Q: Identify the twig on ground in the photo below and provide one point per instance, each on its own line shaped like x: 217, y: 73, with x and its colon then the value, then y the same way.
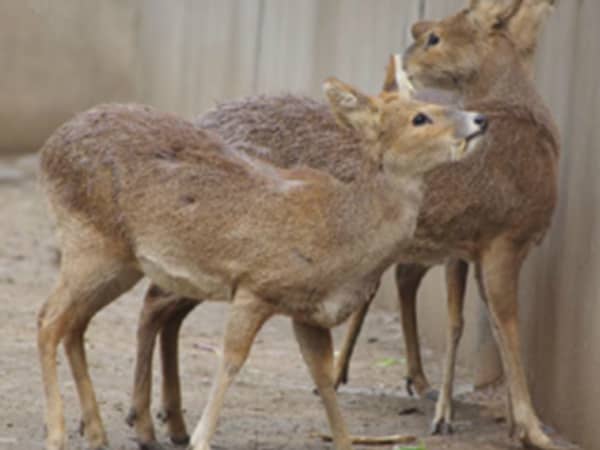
x: 374, y: 440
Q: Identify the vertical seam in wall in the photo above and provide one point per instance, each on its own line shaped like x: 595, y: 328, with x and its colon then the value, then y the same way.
x: 422, y: 9
x: 568, y: 131
x: 139, y: 60
x: 572, y: 60
x: 258, y: 44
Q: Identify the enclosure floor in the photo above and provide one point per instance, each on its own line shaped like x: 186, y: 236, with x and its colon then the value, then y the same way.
x: 271, y: 406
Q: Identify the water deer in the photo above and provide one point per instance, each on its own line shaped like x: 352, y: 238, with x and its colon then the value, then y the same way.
x: 303, y: 126
x: 136, y: 192
x: 515, y: 186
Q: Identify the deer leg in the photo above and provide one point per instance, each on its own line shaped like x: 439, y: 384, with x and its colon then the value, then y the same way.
x: 342, y: 365
x: 456, y: 280
x: 509, y: 408
x: 52, y: 322
x: 317, y: 350
x: 171, y: 410
x: 88, y: 281
x: 247, y: 315
x: 158, y: 308
x: 408, y: 279
x: 500, y: 267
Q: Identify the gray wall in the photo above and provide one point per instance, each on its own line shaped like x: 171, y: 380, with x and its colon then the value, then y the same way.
x: 61, y: 56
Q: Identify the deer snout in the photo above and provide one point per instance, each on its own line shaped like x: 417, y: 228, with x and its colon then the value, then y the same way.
x: 481, y: 121
x: 469, y: 126
x: 472, y: 125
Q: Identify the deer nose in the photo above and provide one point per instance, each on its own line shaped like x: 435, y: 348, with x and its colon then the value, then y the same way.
x: 481, y: 121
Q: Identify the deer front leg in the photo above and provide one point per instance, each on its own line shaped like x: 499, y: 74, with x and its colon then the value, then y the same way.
x: 408, y: 279
x: 342, y: 365
x: 456, y: 280
x: 316, y: 346
x: 500, y: 266
x: 247, y: 315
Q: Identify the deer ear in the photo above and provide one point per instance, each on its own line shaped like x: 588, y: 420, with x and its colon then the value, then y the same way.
x: 353, y: 109
x: 524, y: 27
x: 494, y: 14
x: 396, y: 79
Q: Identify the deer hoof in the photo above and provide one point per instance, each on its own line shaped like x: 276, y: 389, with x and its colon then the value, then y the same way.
x: 150, y: 446
x: 441, y: 427
x: 180, y: 440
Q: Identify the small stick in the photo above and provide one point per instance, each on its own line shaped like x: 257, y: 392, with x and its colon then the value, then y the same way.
x: 375, y: 440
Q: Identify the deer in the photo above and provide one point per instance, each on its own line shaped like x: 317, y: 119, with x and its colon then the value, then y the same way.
x: 136, y: 192
x: 303, y: 127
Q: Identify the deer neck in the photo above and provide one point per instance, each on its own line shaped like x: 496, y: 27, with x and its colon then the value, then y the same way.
x: 386, y: 208
x: 502, y: 79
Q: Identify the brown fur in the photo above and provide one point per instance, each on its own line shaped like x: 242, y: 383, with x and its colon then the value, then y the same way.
x: 506, y: 192
x: 513, y: 204
x: 138, y: 192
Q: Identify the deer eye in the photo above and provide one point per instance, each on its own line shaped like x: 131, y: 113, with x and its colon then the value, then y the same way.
x: 433, y: 40
x: 421, y: 119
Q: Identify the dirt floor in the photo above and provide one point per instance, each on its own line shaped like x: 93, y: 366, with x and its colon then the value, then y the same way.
x: 271, y: 406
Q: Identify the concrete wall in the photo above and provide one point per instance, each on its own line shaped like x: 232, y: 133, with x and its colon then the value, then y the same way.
x: 61, y: 56
x: 58, y: 57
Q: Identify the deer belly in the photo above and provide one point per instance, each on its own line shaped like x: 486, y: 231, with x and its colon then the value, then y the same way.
x: 185, y: 281
x: 339, y: 305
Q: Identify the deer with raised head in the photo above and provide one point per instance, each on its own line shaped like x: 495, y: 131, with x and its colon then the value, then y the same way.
x: 523, y: 29
x: 515, y: 185
x: 136, y: 192
x: 303, y: 127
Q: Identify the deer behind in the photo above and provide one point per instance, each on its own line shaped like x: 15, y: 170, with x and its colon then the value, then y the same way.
x: 478, y: 202
x: 493, y: 209
x: 137, y: 192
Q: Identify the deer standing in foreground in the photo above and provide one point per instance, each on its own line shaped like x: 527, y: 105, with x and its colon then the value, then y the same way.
x: 137, y: 192
x: 304, y: 126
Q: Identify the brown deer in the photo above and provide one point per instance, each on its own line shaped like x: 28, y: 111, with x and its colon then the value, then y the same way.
x: 523, y: 29
x: 303, y: 126
x: 137, y: 192
x: 470, y: 53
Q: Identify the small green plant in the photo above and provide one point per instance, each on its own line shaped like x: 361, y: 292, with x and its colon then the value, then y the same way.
x: 419, y: 447
x: 388, y: 362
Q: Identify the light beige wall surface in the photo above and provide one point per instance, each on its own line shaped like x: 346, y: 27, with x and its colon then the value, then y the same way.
x: 62, y: 56
x: 561, y: 283
x: 58, y: 57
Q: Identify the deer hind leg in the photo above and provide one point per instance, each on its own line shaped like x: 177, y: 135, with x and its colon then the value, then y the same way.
x: 408, y: 279
x: 499, y: 273
x: 317, y: 350
x: 171, y: 410
x: 247, y: 315
x: 342, y: 366
x: 89, y: 279
x: 159, y: 307
x: 456, y: 280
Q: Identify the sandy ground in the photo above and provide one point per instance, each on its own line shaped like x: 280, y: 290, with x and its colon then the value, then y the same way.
x: 271, y: 406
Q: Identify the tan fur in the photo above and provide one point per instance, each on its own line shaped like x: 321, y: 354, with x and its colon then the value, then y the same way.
x: 507, y: 192
x: 138, y: 192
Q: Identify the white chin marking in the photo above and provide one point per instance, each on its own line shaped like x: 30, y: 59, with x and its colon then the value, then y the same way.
x: 473, y: 144
x: 459, y: 150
